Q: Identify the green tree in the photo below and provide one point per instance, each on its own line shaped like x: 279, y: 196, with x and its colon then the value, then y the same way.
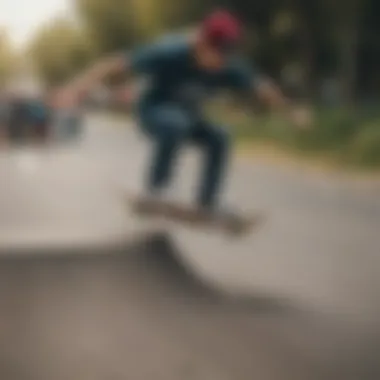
x: 7, y: 58
x: 121, y: 24
x: 111, y: 23
x: 59, y: 50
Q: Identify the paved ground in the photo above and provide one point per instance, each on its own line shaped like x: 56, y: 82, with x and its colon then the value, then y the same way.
x: 98, y: 298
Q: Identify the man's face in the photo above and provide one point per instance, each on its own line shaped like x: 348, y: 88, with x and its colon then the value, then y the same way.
x: 208, y: 57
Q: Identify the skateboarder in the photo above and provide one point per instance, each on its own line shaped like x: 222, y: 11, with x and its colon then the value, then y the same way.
x: 181, y: 72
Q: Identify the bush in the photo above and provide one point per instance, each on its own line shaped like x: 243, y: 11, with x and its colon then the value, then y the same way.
x: 350, y: 136
x: 334, y: 128
x: 365, y: 147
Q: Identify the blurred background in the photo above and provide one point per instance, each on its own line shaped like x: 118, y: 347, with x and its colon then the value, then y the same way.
x: 90, y: 291
x: 323, y: 53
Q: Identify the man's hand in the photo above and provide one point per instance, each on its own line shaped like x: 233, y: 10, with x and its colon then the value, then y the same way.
x: 301, y: 117
x: 270, y: 94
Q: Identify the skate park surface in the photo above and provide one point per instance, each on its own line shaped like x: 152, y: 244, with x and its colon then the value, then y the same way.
x: 88, y: 291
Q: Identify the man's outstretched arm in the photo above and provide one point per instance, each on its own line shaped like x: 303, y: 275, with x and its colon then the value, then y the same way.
x: 85, y: 82
x: 251, y: 81
x: 270, y: 94
x: 146, y: 60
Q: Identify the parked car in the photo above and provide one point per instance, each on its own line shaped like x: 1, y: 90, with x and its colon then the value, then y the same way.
x: 25, y: 119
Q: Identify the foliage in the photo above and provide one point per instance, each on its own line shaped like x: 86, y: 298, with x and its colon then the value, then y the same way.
x: 110, y: 23
x: 7, y: 58
x: 320, y: 38
x: 351, y: 137
x: 325, y: 51
x: 59, y: 50
x: 365, y: 147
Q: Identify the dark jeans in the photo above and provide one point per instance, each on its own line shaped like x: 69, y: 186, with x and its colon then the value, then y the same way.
x: 170, y: 127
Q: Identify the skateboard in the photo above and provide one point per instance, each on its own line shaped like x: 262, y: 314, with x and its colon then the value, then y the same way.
x: 234, y: 225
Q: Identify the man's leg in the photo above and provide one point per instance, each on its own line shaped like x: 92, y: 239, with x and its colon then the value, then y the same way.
x: 215, y: 142
x: 168, y: 126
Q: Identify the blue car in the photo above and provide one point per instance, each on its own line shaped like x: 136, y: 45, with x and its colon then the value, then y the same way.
x: 25, y: 117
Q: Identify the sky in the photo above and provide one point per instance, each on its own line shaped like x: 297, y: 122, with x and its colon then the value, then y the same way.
x: 22, y: 18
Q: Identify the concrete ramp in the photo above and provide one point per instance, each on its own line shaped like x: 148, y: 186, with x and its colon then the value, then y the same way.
x: 126, y: 312
x: 136, y: 312
x: 87, y: 292
x: 62, y: 199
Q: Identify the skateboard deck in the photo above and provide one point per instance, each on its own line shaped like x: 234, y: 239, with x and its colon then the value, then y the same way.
x: 236, y: 225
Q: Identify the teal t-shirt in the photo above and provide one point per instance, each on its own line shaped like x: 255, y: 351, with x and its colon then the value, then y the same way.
x: 175, y: 77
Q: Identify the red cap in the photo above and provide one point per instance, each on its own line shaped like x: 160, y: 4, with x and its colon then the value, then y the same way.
x: 222, y: 30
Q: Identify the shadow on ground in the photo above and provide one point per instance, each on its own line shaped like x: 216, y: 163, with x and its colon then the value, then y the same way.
x: 138, y: 312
